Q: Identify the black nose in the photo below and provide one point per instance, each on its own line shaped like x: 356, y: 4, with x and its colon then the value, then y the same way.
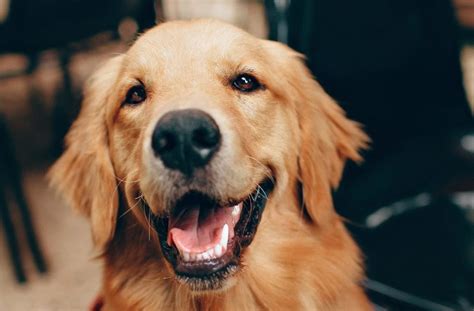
x: 186, y: 139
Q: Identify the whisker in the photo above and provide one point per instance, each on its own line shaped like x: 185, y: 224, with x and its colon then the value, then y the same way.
x: 121, y: 181
x: 267, y: 174
x: 148, y: 222
x: 264, y: 193
x: 149, y: 225
x: 140, y: 197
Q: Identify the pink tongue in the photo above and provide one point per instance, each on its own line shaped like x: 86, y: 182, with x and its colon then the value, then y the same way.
x: 196, y: 229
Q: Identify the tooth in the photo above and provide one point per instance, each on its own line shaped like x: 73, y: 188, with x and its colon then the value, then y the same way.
x: 225, y: 235
x: 199, y: 257
x: 218, y: 250
x: 236, y: 210
x: 186, y: 256
x: 205, y: 256
x: 211, y: 253
x: 192, y: 256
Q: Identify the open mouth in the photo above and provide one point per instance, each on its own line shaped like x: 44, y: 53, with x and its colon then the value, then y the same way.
x: 203, y: 238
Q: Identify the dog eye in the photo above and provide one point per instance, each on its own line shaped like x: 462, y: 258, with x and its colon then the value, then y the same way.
x: 245, y: 83
x: 135, y: 95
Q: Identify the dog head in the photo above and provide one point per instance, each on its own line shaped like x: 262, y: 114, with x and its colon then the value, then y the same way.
x: 203, y: 130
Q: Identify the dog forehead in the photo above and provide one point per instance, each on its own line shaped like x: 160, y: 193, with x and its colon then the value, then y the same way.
x: 182, y: 43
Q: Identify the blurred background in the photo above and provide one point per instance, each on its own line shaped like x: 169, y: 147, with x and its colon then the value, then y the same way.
x: 403, y: 68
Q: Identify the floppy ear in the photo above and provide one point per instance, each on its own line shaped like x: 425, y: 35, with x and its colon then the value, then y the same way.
x: 84, y: 173
x: 327, y: 137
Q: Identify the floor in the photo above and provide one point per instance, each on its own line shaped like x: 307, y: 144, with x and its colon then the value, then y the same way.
x: 74, y: 276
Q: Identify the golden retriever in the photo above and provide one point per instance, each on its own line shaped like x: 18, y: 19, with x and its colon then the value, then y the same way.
x: 205, y: 158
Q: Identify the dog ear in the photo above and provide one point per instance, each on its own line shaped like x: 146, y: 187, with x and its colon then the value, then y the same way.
x: 84, y: 173
x: 327, y: 137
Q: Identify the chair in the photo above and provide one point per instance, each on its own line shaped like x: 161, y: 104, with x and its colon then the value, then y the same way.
x: 10, y: 180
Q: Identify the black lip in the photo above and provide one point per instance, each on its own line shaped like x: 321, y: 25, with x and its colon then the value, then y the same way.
x: 208, y: 274
x: 212, y: 281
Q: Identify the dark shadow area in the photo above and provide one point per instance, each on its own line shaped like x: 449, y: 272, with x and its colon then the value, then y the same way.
x: 394, y: 66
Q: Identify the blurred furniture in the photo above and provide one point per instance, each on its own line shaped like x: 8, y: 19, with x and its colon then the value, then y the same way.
x: 246, y: 14
x: 34, y: 26
x: 10, y: 182
x: 394, y: 66
x: 4, y: 9
x: 31, y: 27
x: 277, y: 18
x: 421, y: 243
x: 465, y: 13
x: 465, y: 17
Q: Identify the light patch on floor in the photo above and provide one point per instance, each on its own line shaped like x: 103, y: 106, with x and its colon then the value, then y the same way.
x: 73, y: 278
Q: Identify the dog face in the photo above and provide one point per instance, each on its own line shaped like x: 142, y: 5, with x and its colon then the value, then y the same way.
x: 203, y: 130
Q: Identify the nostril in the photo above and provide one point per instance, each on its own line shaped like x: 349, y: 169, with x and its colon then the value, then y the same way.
x: 205, y: 138
x: 163, y: 141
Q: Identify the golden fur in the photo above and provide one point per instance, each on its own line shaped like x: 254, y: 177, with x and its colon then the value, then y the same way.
x: 302, y: 257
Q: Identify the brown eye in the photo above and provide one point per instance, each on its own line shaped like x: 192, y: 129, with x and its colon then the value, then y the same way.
x: 245, y: 83
x: 135, y: 95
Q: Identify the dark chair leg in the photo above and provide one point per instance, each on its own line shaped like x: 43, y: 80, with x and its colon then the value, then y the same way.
x: 35, y: 97
x: 159, y: 14
x: 7, y: 223
x: 11, y: 177
x: 65, y: 107
x: 13, y: 174
x: 29, y: 230
x: 12, y: 240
